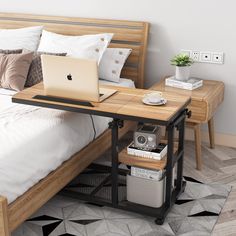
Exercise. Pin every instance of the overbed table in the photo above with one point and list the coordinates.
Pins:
(127, 104)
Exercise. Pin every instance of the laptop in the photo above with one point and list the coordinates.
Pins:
(73, 78)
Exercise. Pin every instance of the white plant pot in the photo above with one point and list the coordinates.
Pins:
(182, 73)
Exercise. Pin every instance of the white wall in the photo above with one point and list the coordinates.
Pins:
(184, 24)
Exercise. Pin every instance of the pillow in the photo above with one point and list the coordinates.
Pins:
(14, 69)
(112, 62)
(26, 38)
(86, 46)
(35, 74)
(16, 51)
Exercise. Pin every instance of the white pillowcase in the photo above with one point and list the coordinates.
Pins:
(112, 63)
(86, 46)
(23, 38)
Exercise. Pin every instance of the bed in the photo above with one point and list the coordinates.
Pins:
(15, 206)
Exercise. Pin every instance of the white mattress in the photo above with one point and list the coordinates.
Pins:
(35, 141)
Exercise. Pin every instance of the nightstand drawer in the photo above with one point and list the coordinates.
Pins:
(199, 111)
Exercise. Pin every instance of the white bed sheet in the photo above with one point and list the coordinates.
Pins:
(35, 141)
(123, 82)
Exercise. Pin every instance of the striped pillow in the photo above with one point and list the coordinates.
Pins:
(14, 51)
(35, 74)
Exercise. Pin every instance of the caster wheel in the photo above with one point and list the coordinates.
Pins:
(159, 221)
(129, 167)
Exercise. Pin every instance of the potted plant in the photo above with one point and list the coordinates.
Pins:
(183, 63)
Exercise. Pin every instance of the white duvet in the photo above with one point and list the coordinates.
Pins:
(35, 141)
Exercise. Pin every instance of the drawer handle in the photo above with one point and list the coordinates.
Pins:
(188, 113)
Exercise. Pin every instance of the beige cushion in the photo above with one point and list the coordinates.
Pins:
(35, 74)
(14, 69)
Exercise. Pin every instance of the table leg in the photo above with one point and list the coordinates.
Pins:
(169, 175)
(169, 165)
(179, 182)
(198, 148)
(115, 162)
(211, 133)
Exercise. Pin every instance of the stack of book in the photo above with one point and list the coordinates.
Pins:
(156, 154)
(190, 84)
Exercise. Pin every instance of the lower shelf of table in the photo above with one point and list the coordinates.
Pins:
(158, 213)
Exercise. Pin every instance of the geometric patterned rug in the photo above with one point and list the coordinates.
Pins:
(195, 213)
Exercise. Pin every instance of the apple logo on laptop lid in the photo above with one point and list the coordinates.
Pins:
(69, 77)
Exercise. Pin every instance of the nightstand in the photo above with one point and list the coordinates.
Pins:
(204, 103)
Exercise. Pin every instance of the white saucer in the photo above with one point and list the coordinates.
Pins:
(147, 102)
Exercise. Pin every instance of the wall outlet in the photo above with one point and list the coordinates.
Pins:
(218, 57)
(205, 56)
(195, 56)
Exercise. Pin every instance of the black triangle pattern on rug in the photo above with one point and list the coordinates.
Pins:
(183, 201)
(67, 235)
(190, 179)
(44, 218)
(47, 229)
(94, 204)
(204, 213)
(84, 222)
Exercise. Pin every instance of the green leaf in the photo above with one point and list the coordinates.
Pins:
(181, 60)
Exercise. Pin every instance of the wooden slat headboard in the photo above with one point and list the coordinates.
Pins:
(127, 34)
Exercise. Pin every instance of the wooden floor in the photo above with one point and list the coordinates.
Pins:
(219, 165)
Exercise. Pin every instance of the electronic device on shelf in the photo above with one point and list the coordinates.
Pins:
(147, 137)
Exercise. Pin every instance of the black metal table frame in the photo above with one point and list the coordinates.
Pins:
(172, 194)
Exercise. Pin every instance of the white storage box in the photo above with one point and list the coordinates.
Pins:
(145, 191)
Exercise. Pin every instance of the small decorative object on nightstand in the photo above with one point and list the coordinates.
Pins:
(183, 63)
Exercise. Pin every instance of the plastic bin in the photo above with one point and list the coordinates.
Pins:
(145, 191)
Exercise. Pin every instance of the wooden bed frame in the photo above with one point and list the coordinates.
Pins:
(127, 34)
